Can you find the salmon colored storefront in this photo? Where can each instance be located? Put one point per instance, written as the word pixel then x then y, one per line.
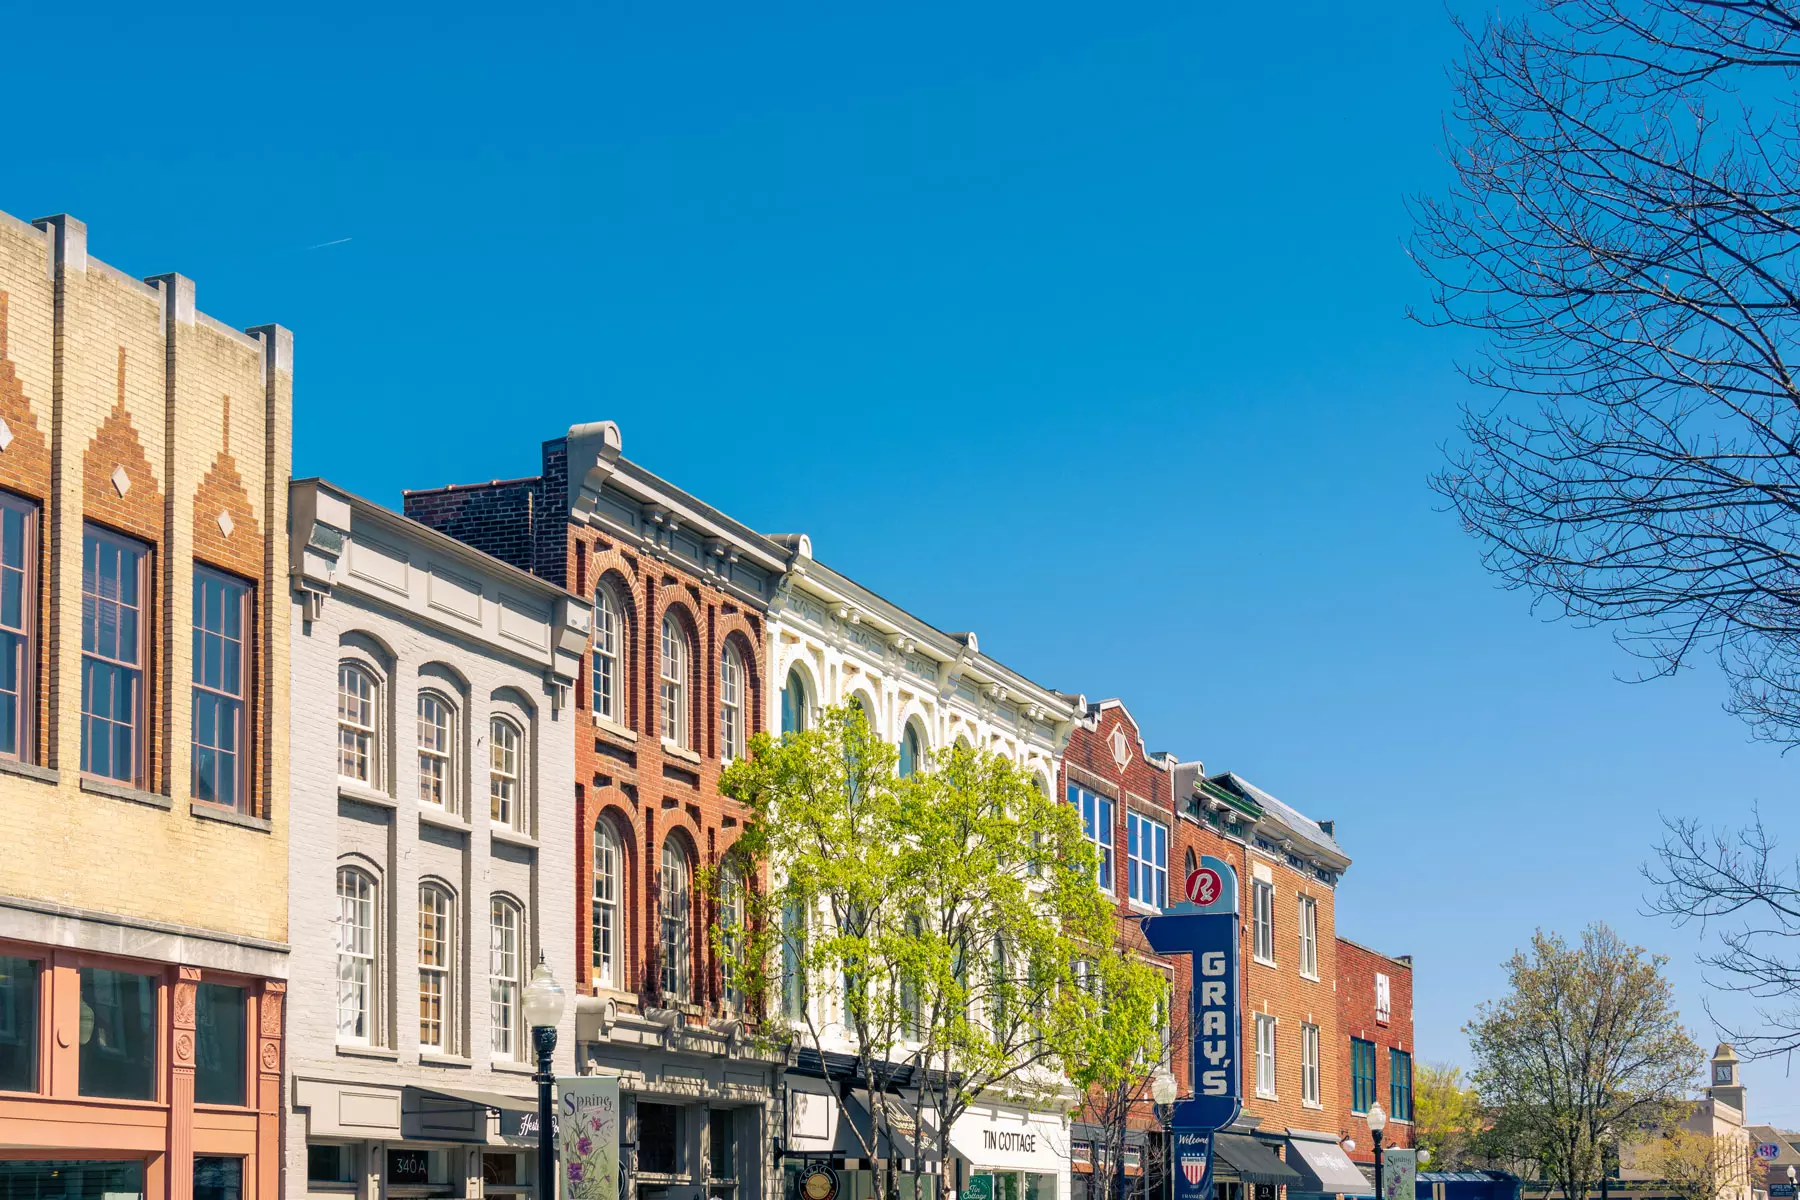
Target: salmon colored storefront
pixel 133 1079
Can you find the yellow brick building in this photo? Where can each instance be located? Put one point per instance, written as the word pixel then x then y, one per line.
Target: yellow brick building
pixel 144 464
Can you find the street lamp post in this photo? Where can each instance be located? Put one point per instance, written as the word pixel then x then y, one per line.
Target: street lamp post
pixel 1377 1122
pixel 543 1009
pixel 1164 1090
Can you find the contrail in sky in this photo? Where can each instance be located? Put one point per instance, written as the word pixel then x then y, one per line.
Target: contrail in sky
pixel 322 245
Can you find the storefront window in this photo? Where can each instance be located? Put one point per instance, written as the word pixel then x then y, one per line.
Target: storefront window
pixel 722 1152
pixel 18 1025
pixel 503 1174
pixel 659 1139
pixel 218 1179
pixel 219 1044
pixel 419 1172
pixel 54 1180
pixel 118 1034
pixel 330 1165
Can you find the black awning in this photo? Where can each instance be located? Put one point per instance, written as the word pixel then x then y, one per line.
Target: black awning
pixel 1253 1161
pixel 485 1099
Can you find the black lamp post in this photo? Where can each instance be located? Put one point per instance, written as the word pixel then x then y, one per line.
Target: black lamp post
pixel 1378 1122
pixel 1163 1091
pixel 544 1002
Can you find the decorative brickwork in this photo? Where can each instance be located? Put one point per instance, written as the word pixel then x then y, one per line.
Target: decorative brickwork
pixel 227 534
pixel 25 469
pixel 115 448
pixel 1357 967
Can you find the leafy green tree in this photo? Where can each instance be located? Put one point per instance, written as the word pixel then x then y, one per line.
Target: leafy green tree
pixel 946 925
pixel 1586 1050
pixel 1447 1117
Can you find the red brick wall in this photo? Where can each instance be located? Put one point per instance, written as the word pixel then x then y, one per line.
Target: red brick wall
pixel 1357 967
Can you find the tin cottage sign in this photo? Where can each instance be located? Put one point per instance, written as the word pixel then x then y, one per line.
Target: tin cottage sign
pixel 1206 929
pixel 587 1137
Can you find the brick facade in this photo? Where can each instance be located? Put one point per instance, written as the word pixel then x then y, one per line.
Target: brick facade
pixel 1357 968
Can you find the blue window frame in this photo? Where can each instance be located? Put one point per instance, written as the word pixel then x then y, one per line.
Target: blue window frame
pixel 1400 1085
pixel 1147 853
pixel 1097 824
pixel 1362 1075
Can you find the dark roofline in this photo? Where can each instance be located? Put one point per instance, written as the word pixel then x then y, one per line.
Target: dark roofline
pixel 1395 959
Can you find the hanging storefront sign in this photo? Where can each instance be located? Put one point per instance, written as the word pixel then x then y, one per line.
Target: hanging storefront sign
pixel 587 1137
pixel 998 1137
pixel 1206 929
pixel 1399 1174
pixel 818 1182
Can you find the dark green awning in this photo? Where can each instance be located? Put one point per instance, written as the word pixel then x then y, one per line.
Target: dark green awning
pixel 1253 1161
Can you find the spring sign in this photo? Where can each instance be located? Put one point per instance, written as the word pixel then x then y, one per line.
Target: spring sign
pixel 1205 927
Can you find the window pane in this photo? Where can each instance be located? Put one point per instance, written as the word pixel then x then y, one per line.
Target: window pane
pixel 18 1024
pixel 118 1036
pixel 64 1180
pixel 219 1044
pixel 218 1178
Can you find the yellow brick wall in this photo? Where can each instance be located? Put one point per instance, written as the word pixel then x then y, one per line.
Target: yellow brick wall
pixel 98 852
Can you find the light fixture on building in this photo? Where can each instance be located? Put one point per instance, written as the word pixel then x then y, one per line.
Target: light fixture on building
pixel 1163 1088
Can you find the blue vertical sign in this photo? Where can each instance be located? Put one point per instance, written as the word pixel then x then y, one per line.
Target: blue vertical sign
pixel 1205 927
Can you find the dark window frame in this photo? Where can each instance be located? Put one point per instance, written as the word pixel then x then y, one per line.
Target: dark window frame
pixel 1362 1086
pixel 245 698
pixel 25 717
pixel 141 724
pixel 1400 1091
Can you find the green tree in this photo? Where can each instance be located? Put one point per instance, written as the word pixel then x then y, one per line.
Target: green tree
pixel 1585 1050
pixel 1447 1118
pixel 945 924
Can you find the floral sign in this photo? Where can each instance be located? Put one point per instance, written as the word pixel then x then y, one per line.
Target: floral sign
pixel 587 1137
pixel 1399 1174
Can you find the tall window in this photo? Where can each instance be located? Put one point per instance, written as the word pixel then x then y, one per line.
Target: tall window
pixel 19 1018
pixel 1265 1055
pixel 435 725
pixel 609 628
pixel 731 923
pixel 1309 1064
pixel 793 703
pixel 219 1044
pixel 18 623
pixel 912 750
pixel 606 928
pixel 1309 937
pixel 118 1059
pixel 356 956
pixel 434 968
pixel 503 977
pixel 731 703
pixel 1097 824
pixel 356 724
pixel 1399 1085
pixel 912 1013
pixel 112 656
pixel 1362 1075
pixel 221 667
pixel 1262 894
pixel 673 901
pixel 504 791
pixel 793 963
pixel 674 680
pixel 1147 846
pixel 1384 999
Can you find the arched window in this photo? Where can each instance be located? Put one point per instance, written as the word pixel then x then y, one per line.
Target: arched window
pixel 674 681
pixel 794 703
pixel 505 759
pixel 912 750
pixel 677 945
pixel 357 757
pixel 609 640
pixel 435 725
pixel 609 859
pixel 436 962
pixel 504 958
pixel 731 925
pixel 356 956
pixel 731 704
pixel 1190 863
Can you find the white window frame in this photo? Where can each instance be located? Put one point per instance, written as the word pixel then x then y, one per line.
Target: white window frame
pixel 506 773
pixel 358 957
pixel 1384 999
pixel 1262 898
pixel 1089 805
pixel 731 703
pixel 1265 1056
pixel 437 762
pixel 506 953
pixel 1309 1065
pixel 359 723
pixel 605 931
pixel 435 977
pixel 675 924
pixel 1148 879
pixel 1309 937
pixel 674 660
pixel 609 629
pixel 732 911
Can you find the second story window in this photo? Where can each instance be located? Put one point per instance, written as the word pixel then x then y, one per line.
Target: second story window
pixel 221 668
pixel 356 724
pixel 1262 896
pixel 18 624
pixel 1147 845
pixel 1309 1064
pixel 1265 1056
pixel 1400 1085
pixel 1309 937
pixel 676 944
pixel 609 630
pixel 503 977
pixel 793 963
pixel 1097 824
pixel 794 705
pixel 732 932
pixel 606 927
pixel 674 681
pixel 356 956
pixel 113 588
pixel 731 704
pixel 435 726
pixel 1362 1075
pixel 504 758
pixel 912 750
pixel 434 968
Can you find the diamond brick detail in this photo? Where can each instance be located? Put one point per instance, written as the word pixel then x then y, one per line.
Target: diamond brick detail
pixel 225 523
pixel 6 435
pixel 121 481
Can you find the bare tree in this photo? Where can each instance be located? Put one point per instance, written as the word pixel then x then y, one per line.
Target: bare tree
pixel 1622 229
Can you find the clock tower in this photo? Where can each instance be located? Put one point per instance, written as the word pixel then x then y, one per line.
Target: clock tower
pixel 1726 1087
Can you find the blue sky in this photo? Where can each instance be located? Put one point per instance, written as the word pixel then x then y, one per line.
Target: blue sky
pixel 1081 329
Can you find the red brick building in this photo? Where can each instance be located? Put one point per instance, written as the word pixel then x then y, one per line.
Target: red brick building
pixel 1374 993
pixel 672 688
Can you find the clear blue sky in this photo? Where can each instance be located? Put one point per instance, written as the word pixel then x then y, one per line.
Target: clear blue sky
pixel 1080 328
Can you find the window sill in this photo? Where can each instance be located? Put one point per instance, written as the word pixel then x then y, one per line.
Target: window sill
pixel 512 837
pixel 1309 978
pixel 349 1051
pixel 614 729
pixel 1265 962
pixel 1312 1104
pixel 507 1064
pixel 364 795
pixel 1138 906
pixel 117 791
pixel 677 750
pixel 1267 1096
pixel 208 811
pixel 12 766
pixel 444 1060
pixel 431 814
